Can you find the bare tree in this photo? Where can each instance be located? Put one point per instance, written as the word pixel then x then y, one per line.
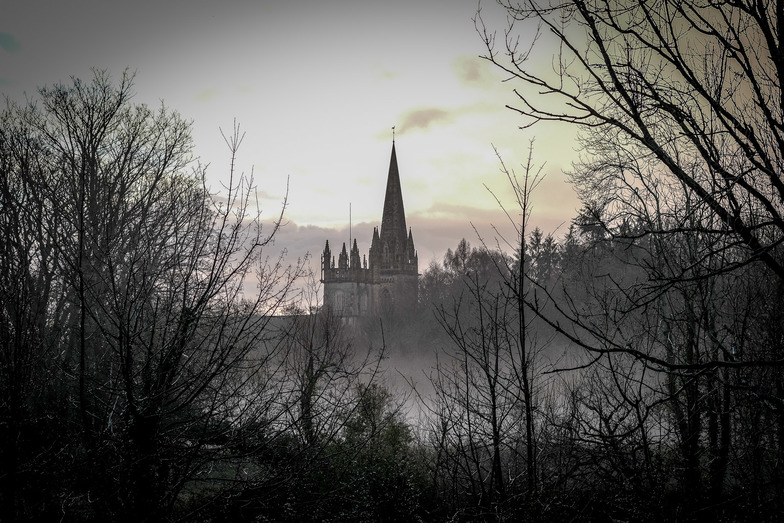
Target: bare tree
pixel 485 426
pixel 152 342
pixel 31 294
pixel 324 364
pixel 691 89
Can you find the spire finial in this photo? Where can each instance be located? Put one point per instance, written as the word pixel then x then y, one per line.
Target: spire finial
pixel 393 134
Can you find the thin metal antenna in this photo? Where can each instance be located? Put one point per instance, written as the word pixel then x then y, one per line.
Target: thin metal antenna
pixel 350 245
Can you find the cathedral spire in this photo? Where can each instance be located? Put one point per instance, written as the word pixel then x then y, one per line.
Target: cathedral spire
pixel 393 221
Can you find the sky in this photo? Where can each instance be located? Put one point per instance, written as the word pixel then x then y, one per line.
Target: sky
pixel 317 87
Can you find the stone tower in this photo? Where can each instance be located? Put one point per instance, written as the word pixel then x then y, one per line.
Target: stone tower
pixel 387 280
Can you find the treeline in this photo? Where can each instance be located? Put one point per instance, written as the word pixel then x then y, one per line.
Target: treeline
pixel 650 397
pixel 672 312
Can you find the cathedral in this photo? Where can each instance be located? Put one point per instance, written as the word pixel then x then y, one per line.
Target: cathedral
pixel 387 279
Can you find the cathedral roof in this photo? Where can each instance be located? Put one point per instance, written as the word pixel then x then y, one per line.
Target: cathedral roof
pixel 393 221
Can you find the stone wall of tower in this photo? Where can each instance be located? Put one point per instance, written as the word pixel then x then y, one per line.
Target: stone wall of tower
pixel 349 298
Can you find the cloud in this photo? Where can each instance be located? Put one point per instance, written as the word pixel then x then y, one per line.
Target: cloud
pixel 434 231
pixel 467 69
pixel 207 95
pixel 387 74
pixel 472 71
pixel 433 235
pixel 423 118
pixel 8 42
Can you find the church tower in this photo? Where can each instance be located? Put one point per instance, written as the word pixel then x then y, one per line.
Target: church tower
pixel 388 280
